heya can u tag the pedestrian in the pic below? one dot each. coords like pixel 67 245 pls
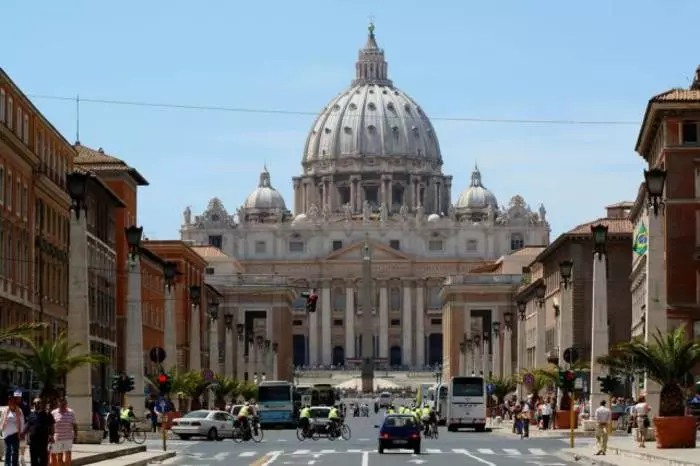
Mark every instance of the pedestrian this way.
pixel 11 426
pixel 526 415
pixel 602 416
pixel 39 429
pixel 546 414
pixel 641 413
pixel 65 432
pixel 113 423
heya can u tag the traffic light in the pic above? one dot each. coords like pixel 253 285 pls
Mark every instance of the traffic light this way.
pixel 164 383
pixel 130 384
pixel 608 384
pixel 567 380
pixel 115 383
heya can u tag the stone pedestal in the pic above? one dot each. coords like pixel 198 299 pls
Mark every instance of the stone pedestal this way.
pixel 599 331
pixel 169 331
pixel 134 339
pixel 78 383
pixel 195 339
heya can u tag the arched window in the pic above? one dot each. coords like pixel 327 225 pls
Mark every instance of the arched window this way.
pixel 395 299
pixel 338 298
pixel 434 301
pixel 516 241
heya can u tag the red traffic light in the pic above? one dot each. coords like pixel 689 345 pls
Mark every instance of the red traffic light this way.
pixel 569 375
pixel 162 378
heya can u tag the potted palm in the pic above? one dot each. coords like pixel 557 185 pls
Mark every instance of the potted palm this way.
pixel 501 388
pixel 666 359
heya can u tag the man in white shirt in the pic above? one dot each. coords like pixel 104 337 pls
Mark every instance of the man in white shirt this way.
pixel 546 414
pixel 602 416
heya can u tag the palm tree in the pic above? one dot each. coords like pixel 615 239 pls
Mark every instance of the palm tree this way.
pixel 20 331
pixel 191 385
pixel 223 387
pixel 502 387
pixel 667 360
pixel 51 361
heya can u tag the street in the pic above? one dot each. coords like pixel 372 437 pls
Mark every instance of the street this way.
pixel 281 447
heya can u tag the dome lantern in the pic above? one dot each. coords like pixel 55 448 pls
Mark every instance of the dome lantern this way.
pixel 371 67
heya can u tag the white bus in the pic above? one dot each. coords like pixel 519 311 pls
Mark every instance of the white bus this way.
pixel 465 404
pixel 438 400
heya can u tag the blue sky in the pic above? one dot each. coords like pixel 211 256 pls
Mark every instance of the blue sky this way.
pixel 594 61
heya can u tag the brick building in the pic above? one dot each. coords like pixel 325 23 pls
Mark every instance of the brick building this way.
pixel 34 203
pixel 539 345
pixel 192 268
pixel 152 305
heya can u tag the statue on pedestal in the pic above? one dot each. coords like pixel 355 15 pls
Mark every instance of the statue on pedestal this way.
pixel 383 213
pixel 451 213
pixel 403 211
pixel 347 211
pixel 187 215
pixel 420 213
pixel 313 212
pixel 543 214
pixel 365 211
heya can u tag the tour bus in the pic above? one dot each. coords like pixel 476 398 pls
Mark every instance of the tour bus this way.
pixel 323 394
pixel 465 403
pixel 276 403
pixel 437 395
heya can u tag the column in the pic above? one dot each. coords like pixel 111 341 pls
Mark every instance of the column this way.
pixel 240 346
pixel 383 320
pixel 406 325
pixel 78 383
pixel 353 196
pixel 195 339
pixel 469 356
pixel 313 338
pixel 485 358
pixel 169 330
pixel 350 320
pixel 656 319
pixel 496 364
pixel 326 314
pixel 134 337
pixel 599 330
pixel 540 342
pixel 560 334
pixel 213 348
pixel 228 354
pixel 507 352
pixel 520 352
pixel 420 323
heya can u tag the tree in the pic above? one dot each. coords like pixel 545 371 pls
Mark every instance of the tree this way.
pixel 502 387
pixel 667 359
pixel 51 361
pixel 191 385
pixel 19 331
pixel 223 387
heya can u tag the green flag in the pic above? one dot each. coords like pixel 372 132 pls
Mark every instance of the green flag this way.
pixel 641 240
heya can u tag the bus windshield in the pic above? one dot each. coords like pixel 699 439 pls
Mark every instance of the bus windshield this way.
pixel 274 393
pixel 443 393
pixel 468 386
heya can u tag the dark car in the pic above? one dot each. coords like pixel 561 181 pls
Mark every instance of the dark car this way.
pixel 399 431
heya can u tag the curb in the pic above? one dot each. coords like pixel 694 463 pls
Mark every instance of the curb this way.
pixel 153 459
pixel 592 459
pixel 108 455
pixel 623 454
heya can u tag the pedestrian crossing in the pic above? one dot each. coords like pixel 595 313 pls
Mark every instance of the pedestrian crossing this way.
pixel 481 452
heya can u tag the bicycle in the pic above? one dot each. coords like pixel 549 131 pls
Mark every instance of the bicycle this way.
pixel 133 434
pixel 307 432
pixel 341 430
pixel 433 431
pixel 245 433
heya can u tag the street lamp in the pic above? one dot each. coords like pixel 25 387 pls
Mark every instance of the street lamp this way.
pixel 195 294
pixel 134 235
pixel 228 321
pixel 496 326
pixel 508 319
pixel 463 344
pixel 522 307
pixel 655 182
pixel 213 311
pixel 239 330
pixel 169 274
pixel 540 293
pixel 275 346
pixel 600 238
pixel 565 269
pixel 77 190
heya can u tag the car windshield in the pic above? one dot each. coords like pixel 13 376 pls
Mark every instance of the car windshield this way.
pixel 400 421
pixel 196 415
pixel 320 412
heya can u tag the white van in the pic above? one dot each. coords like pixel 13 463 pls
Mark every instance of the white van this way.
pixel 384 400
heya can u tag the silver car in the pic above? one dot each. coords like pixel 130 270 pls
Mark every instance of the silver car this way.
pixel 319 418
pixel 214 425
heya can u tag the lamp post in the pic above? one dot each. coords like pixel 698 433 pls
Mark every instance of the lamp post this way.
pixel 599 322
pixel 196 328
pixel 214 365
pixel 655 182
pixel 485 339
pixel 170 273
pixel 228 342
pixel 566 268
pixel 469 358
pixel 540 326
pixel 522 314
pixel 496 350
pixel 78 381
pixel 507 341
pixel 134 320
pixel 463 355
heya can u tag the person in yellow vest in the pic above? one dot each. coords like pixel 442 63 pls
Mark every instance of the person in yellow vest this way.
pixel 334 418
pixel 125 416
pixel 417 414
pixel 426 417
pixel 391 410
pixel 305 419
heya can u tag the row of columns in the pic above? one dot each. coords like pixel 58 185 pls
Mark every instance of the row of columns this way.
pixel 322 334
pixel 475 357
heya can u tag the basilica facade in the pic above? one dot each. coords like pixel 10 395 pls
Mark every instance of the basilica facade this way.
pixel 371 173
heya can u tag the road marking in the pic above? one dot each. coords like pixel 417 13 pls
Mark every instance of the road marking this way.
pixel 363 440
pixel 247 454
pixel 486 451
pixel 325 452
pixel 512 451
pixel 538 451
pixel 365 459
pixel 282 440
pixel 271 458
pixel 301 452
pixel 474 457
pixel 433 450
pixel 220 456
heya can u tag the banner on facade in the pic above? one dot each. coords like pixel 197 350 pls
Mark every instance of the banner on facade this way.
pixel 641 240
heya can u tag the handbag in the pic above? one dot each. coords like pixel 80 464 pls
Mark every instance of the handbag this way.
pixel 647 423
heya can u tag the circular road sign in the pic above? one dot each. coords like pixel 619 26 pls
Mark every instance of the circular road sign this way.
pixel 528 379
pixel 208 375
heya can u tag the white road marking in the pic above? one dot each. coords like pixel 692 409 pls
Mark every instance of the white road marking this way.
pixel 365 459
pixel 363 439
pixel 486 451
pixel 512 451
pixel 247 454
pixel 538 451
pixel 433 450
pixel 325 452
pixel 220 456
pixel 282 440
pixel 474 457
pixel 301 452
pixel 354 451
pixel 271 458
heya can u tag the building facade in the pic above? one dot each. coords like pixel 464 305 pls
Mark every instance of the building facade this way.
pixel 152 306
pixel 570 310
pixel 34 203
pixel 371 173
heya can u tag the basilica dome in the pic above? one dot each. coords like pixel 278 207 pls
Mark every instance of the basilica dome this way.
pixel 265 197
pixel 476 196
pixel 372 118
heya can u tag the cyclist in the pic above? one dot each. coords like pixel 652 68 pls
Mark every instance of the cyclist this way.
pixel 426 417
pixel 305 419
pixel 243 415
pixel 417 414
pixel 253 415
pixel 334 419
pixel 126 415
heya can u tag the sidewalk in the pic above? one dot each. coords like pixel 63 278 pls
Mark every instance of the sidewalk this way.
pixel 623 451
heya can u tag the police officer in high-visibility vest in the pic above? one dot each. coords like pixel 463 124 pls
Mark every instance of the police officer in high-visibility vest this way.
pixel 334 417
pixel 305 419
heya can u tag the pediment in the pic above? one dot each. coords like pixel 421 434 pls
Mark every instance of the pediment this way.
pixel 379 252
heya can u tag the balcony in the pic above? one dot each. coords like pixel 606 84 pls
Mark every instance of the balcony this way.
pixel 483 280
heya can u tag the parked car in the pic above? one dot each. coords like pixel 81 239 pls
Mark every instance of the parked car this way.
pixel 319 418
pixel 212 424
pixel 399 431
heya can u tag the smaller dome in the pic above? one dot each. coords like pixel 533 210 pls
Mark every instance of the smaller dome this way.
pixel 300 219
pixel 265 197
pixel 476 196
pixel 433 218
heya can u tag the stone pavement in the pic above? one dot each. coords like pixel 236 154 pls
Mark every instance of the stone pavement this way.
pixel 624 451
pixel 128 454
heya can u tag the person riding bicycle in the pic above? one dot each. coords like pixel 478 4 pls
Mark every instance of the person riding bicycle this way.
pixel 253 415
pixel 243 416
pixel 426 418
pixel 305 418
pixel 126 416
pixel 390 410
pixel 334 419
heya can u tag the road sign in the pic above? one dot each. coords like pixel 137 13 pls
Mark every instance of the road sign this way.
pixel 571 355
pixel 208 375
pixel 163 405
pixel 528 379
pixel 489 388
pixel 157 355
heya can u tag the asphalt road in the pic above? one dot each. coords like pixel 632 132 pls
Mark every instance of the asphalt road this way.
pixel 281 448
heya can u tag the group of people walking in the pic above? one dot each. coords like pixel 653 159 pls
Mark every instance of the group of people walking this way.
pixel 49 434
